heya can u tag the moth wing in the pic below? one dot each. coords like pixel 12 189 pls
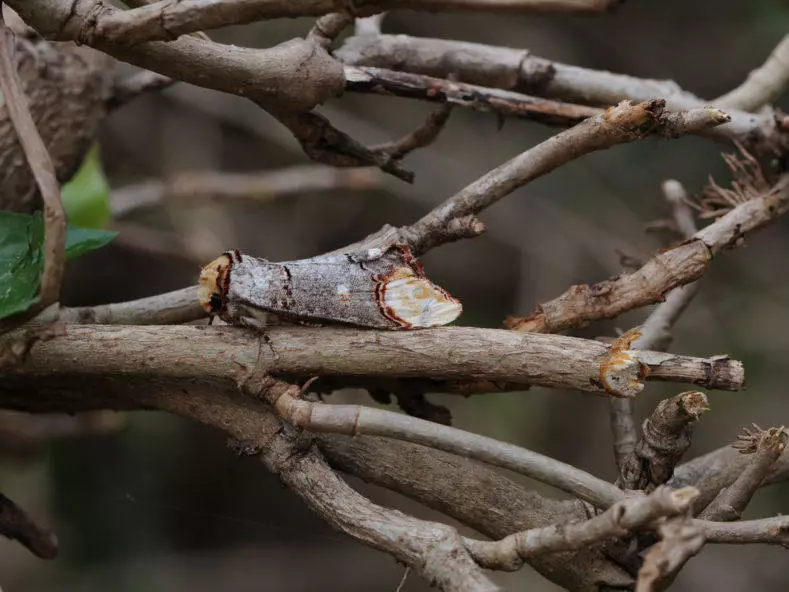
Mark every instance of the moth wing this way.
pixel 416 302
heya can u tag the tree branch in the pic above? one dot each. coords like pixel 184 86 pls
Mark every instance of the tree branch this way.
pixel 433 550
pixel 262 186
pixel 474 495
pixel 712 472
pixel 669 269
pixel 353 420
pixel 170 308
pixel 619 520
pixel 205 354
pixel 766 446
pixel 655 334
pixel 520 70
pixel 16 525
pixel 166 20
pixel 438 90
pixel 456 218
pixel 770 531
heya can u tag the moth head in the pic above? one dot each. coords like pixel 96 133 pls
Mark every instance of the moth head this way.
pixel 214 283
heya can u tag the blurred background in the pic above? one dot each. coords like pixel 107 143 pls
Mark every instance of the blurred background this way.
pixel 151 502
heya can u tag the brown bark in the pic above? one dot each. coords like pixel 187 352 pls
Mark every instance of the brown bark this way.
pixel 66 88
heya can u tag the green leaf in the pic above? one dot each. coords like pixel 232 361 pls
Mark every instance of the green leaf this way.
pixel 83 240
pixel 22 256
pixel 86 197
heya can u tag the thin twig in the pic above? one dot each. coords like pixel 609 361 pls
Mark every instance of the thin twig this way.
pixel 764 531
pixel 655 334
pixel 435 551
pixel 169 308
pixel 621 519
pixel 43 171
pixel 422 136
pixel 475 495
pixel 730 503
pixel 502 102
pixel 669 269
pixel 455 218
pixel 135 85
pixel 262 186
pixel 16 525
pixel 328 27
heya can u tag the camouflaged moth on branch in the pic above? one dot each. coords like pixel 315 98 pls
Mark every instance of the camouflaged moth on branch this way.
pixel 377 288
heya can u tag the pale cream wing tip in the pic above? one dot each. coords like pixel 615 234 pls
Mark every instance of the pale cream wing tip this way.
pixel 418 303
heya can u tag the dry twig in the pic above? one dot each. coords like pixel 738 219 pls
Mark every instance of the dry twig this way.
pixel 455 218
pixel 262 186
pixel 439 90
pixel 669 269
pixel 766 446
pixel 655 333
pixel 16 525
pixel 621 519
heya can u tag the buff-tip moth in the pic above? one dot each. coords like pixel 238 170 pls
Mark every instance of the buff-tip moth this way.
pixel 377 288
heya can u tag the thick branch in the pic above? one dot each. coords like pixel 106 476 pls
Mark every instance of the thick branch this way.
pixel 669 269
pixel 666 437
pixel 475 496
pixel 199 354
pixel 168 20
pixel 619 520
pixel 64 86
pixel 433 550
pixel 297 74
